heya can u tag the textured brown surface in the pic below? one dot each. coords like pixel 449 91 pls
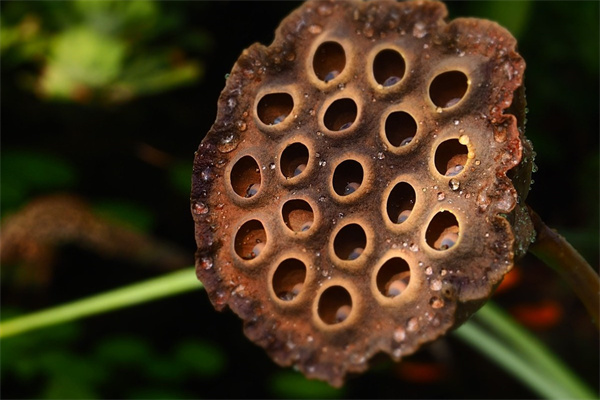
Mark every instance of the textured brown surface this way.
pixel 352 196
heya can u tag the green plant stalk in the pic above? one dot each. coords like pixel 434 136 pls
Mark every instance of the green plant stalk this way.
pixel 167 285
pixel 543 374
pixel 511 362
pixel 528 347
pixel 557 253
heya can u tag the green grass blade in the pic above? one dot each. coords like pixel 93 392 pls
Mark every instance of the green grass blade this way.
pixel 174 283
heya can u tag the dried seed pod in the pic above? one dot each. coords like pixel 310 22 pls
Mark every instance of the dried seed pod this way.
pixel 362 188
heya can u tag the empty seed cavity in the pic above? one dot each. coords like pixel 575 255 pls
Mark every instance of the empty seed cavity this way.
pixel 443 231
pixel 400 202
pixel 451 157
pixel 293 160
pixel 340 114
pixel 393 277
pixel 347 177
pixel 335 305
pixel 245 177
pixel 329 61
pixel 297 215
pixel 448 88
pixel 388 67
pixel 273 108
pixel 350 242
pixel 288 279
pixel 400 128
pixel 250 239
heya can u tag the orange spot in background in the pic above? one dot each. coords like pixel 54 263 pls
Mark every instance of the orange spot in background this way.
pixel 421 372
pixel 510 280
pixel 542 315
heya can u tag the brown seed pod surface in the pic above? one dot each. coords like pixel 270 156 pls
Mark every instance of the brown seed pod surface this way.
pixel 363 185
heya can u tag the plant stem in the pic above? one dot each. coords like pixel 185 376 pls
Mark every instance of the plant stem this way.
pixel 528 348
pixel 510 361
pixel 556 252
pixel 153 289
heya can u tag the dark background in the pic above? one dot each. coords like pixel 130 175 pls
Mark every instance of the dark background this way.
pixel 96 140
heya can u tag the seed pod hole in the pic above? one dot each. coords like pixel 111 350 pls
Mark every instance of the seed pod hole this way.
pixel 393 277
pixel 340 115
pixel 448 88
pixel 451 157
pixel 288 279
pixel 250 239
pixel 294 160
pixel 347 177
pixel 388 67
pixel 400 128
pixel 329 61
pixel 273 108
pixel 335 305
pixel 350 242
pixel 298 215
pixel 443 231
pixel 245 177
pixel 400 202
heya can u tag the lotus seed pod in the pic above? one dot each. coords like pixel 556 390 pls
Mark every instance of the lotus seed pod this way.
pixel 374 198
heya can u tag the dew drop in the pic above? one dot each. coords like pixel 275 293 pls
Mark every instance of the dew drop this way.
pixel 435 302
pixel 412 324
pixel 324 10
pixel 435 285
pixel 454 184
pixel 315 29
pixel 399 334
pixel 441 196
pixel 228 143
pixel 200 208
pixel 206 263
pixel 272 166
pixel 206 174
pixel 419 30
pixel 428 271
pixel 380 155
pixel 241 125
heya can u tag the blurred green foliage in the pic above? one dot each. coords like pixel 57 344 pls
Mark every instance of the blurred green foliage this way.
pixel 98 51
pixel 48 358
pixel 30 172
